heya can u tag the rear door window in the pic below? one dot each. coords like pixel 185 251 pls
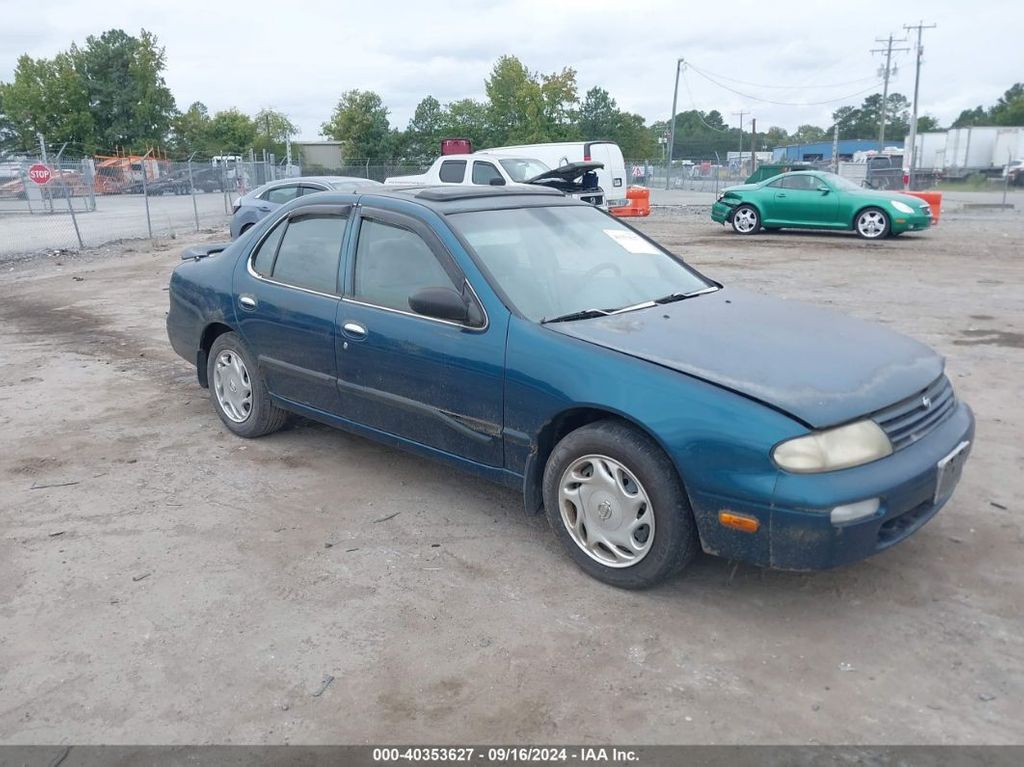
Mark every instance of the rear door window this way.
pixel 452 171
pixel 307 189
pixel 279 195
pixel 304 252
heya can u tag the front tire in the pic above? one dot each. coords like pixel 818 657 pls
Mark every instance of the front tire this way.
pixel 872 224
pixel 615 503
pixel 746 220
pixel 238 391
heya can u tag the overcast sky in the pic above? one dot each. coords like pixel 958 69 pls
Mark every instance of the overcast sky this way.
pixel 300 56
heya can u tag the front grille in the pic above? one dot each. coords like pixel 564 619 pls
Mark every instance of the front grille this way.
pixel 912 419
pixel 898 528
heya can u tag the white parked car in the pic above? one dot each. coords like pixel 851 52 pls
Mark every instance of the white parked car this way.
pixel 579 179
pixel 612 178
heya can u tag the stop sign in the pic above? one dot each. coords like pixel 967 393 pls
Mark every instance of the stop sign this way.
pixel 39 173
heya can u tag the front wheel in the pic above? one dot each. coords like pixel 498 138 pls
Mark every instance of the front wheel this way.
pixel 238 391
pixel 872 224
pixel 746 220
pixel 615 502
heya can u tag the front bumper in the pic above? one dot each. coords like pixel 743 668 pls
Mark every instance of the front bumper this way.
pixel 795 530
pixel 720 212
pixel 912 223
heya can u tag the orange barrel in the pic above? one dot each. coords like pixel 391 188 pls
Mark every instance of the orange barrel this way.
pixel 934 199
pixel 639 205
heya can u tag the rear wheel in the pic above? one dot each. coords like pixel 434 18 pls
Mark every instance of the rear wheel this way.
pixel 746 220
pixel 872 224
pixel 238 391
pixel 615 502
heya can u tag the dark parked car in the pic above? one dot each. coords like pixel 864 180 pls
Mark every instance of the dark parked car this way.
pixel 251 207
pixel 204 179
pixel 539 342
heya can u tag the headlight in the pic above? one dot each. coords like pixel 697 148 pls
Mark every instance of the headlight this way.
pixel 839 448
pixel 902 207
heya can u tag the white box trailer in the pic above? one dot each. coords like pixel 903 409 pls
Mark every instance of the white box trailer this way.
pixel 1009 146
pixel 930 150
pixel 970 150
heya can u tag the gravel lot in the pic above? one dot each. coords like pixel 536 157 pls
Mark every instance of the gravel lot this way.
pixel 164 582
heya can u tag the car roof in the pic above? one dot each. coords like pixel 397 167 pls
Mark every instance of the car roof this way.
pixel 445 200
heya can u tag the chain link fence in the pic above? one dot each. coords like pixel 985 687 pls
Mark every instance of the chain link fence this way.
pixel 685 175
pixel 56 203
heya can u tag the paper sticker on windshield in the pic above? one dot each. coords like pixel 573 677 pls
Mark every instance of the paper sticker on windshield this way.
pixel 631 241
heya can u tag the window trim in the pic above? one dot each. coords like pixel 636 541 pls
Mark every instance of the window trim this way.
pixel 273 189
pixel 465 167
pixel 433 242
pixel 480 163
pixel 344 211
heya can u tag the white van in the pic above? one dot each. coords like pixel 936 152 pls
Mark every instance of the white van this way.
pixel 612 177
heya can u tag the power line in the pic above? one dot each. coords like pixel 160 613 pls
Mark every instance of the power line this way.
pixel 787 103
pixel 693 103
pixel 781 87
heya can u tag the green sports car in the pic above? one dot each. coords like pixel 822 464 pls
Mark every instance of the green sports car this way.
pixel 818 200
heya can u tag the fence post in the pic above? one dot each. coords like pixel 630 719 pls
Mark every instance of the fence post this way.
pixel 71 210
pixel 192 190
pixel 145 195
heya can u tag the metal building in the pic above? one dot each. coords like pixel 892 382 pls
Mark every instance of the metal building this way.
pixel 822 150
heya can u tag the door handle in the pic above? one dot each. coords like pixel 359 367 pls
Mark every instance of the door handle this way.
pixel 780 194
pixel 354 330
pixel 247 302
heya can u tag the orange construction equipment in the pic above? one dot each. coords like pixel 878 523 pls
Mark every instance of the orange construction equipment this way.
pixel 639 203
pixel 934 200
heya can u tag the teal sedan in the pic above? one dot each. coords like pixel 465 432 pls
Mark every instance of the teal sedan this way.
pixel 818 200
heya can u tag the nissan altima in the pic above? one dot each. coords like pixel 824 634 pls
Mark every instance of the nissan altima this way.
pixel 534 340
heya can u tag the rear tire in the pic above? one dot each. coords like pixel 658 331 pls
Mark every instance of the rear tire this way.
pixel 746 220
pixel 238 391
pixel 615 502
pixel 872 224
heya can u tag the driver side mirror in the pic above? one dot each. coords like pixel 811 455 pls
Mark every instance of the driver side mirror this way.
pixel 497 181
pixel 824 189
pixel 439 303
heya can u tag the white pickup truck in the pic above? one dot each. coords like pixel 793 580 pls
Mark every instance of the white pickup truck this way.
pixel 576 179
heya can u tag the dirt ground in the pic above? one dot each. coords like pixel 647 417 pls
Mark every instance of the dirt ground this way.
pixel 164 582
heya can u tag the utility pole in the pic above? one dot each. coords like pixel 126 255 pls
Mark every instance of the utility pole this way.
pixel 910 149
pixel 741 113
pixel 672 124
pixel 887 72
pixel 753 145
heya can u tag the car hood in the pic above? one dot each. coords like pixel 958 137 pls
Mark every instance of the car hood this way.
pixel 883 196
pixel 819 366
pixel 740 188
pixel 569 172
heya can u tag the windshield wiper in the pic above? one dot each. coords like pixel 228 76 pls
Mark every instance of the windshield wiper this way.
pixel 683 296
pixel 586 314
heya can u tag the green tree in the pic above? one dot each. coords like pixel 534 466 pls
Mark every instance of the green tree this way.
pixel 230 132
pixel 360 123
pixel 424 132
pixel 773 137
pixel 598 115
pixel 190 130
pixel 129 101
pixel 515 103
pixel 273 129
pixel 467 118
pixel 809 134
pixel 48 96
pixel 862 122
pixel 969 117
pixel 1009 110
pixel 927 124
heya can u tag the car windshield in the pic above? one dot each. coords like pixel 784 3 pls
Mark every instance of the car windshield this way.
pixel 838 182
pixel 560 260
pixel 520 169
